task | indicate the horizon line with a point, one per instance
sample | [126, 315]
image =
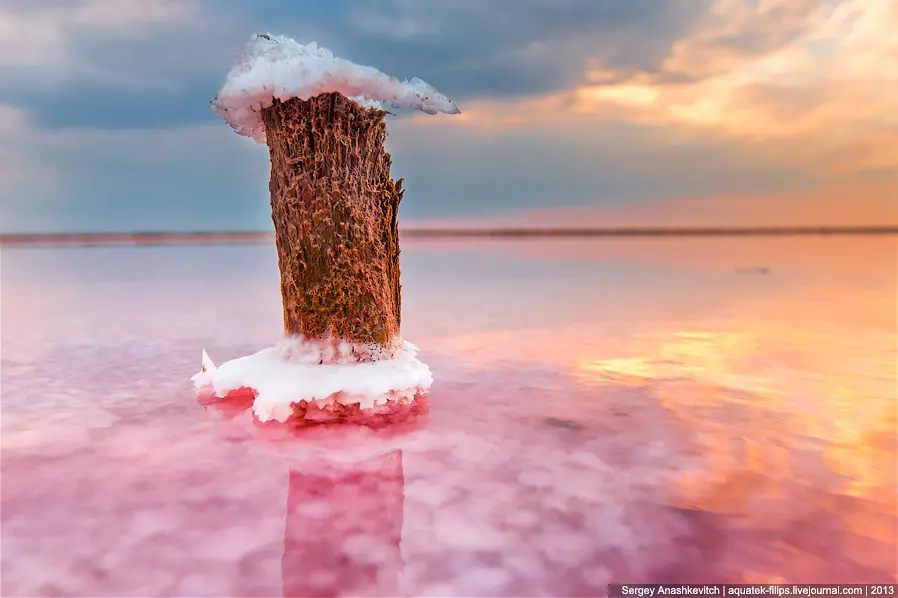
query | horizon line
[219, 237]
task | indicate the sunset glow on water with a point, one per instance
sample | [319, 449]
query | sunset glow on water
[603, 411]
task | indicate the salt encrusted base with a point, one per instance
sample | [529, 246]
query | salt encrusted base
[297, 376]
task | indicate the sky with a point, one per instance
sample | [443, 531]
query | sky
[606, 112]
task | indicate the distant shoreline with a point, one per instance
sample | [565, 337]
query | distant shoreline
[212, 238]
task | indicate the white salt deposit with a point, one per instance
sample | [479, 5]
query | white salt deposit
[299, 349]
[279, 381]
[275, 67]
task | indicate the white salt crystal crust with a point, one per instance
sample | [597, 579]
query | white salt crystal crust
[299, 349]
[275, 67]
[279, 381]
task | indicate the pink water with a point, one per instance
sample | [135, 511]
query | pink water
[604, 411]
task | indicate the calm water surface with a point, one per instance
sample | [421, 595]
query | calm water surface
[604, 411]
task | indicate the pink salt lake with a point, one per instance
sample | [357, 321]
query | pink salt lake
[603, 411]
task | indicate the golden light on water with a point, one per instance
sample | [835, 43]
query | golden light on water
[785, 384]
[789, 386]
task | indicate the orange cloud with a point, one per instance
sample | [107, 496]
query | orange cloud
[815, 91]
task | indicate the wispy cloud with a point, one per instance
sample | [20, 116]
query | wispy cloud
[44, 40]
[803, 79]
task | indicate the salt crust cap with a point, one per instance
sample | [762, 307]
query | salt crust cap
[271, 67]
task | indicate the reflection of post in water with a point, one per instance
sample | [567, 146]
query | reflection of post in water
[344, 527]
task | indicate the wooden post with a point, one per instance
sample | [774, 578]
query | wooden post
[335, 209]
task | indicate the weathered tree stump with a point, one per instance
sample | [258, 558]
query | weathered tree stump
[335, 209]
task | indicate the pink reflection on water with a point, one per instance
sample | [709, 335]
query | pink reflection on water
[344, 507]
[344, 528]
[639, 413]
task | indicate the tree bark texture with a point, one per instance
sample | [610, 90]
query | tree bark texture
[335, 209]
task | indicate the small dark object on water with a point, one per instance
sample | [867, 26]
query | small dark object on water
[563, 423]
[757, 270]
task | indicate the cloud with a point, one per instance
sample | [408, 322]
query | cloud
[822, 94]
[469, 165]
[111, 63]
[734, 31]
[87, 58]
[490, 48]
[44, 40]
[810, 90]
[177, 178]
[113, 60]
